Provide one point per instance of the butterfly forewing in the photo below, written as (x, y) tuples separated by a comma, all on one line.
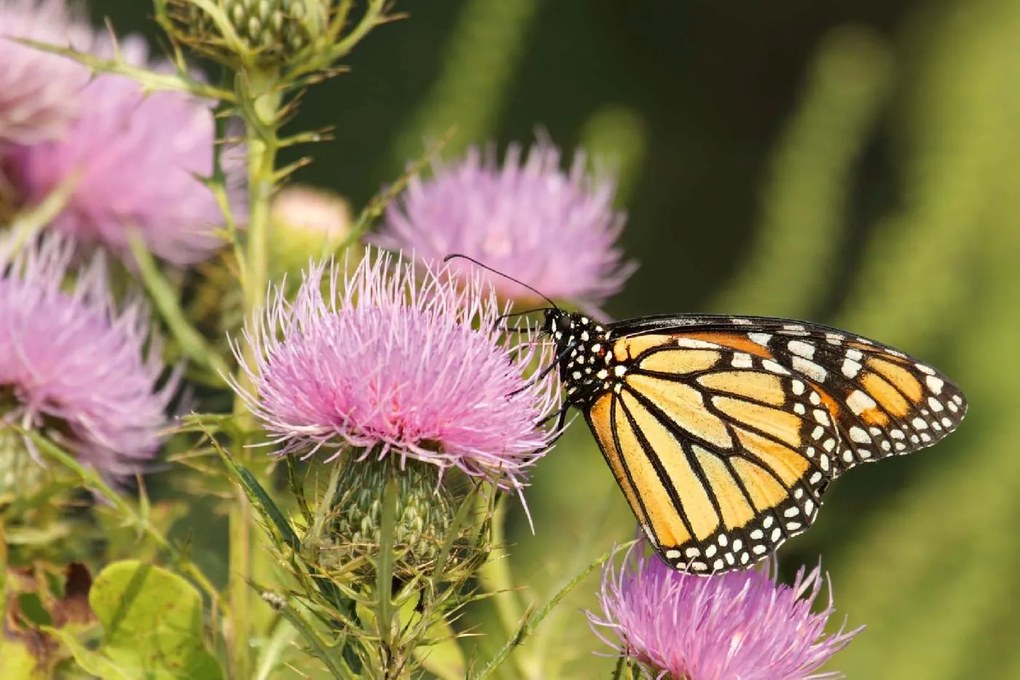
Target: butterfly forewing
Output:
[(723, 432), (884, 402)]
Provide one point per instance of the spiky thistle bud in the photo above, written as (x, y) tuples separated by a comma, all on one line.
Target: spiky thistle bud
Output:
[(425, 508), (252, 33)]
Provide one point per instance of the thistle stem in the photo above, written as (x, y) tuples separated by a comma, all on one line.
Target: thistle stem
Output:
[(260, 107)]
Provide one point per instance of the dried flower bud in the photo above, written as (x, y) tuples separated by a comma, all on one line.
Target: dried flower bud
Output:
[(252, 33)]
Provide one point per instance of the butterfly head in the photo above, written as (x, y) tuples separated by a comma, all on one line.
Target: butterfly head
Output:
[(582, 350)]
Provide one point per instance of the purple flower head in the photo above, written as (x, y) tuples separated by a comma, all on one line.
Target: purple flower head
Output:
[(397, 359), (529, 219), (38, 91), (69, 358), (736, 625), (133, 160)]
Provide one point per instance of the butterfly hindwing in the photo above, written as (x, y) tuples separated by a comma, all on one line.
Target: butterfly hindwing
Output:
[(722, 455)]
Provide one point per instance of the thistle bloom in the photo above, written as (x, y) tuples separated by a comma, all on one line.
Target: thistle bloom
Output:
[(132, 160), (72, 363), (397, 360), (736, 625), (38, 91), (528, 219)]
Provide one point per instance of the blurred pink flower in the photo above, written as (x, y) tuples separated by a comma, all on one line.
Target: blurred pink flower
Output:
[(396, 360), (736, 625), (73, 360), (134, 161), (39, 91), (551, 229)]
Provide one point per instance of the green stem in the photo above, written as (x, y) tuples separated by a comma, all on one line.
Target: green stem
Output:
[(335, 662), (261, 108), (279, 642), (168, 304), (533, 617)]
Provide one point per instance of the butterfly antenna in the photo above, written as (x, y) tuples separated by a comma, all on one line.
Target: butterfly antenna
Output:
[(509, 315), (486, 267)]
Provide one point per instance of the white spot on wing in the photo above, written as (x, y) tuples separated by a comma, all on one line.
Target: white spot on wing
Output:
[(801, 348), (695, 344), (772, 366), (934, 384), (742, 360), (851, 368), (859, 435), (760, 338), (809, 368), (859, 402)]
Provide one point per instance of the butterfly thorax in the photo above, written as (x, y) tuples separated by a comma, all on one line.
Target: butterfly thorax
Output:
[(583, 352)]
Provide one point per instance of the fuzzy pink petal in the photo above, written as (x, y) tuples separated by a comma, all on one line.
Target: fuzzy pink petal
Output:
[(135, 162), (555, 230), (741, 624), (75, 358), (398, 359)]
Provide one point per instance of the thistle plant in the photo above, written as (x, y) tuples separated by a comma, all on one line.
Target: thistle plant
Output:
[(187, 336)]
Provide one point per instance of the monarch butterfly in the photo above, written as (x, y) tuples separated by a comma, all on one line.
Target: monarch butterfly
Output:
[(723, 432)]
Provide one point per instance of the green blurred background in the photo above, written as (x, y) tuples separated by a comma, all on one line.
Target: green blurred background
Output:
[(850, 163)]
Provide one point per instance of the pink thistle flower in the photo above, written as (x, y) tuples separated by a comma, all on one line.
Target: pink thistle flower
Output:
[(38, 91), (529, 219), (71, 359), (736, 625), (134, 160), (396, 359)]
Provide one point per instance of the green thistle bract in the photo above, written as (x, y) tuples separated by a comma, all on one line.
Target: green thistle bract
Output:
[(425, 509), (262, 33)]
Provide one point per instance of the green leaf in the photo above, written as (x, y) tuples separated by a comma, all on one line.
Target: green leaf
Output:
[(274, 518), (92, 662), (153, 625), (17, 662)]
